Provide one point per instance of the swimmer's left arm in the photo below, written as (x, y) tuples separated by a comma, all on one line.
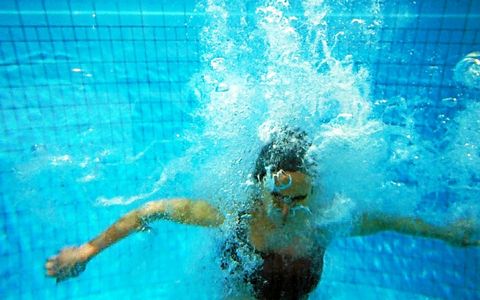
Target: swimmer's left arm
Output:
[(459, 234)]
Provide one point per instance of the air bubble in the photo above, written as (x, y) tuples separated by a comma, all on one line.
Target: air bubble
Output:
[(222, 87), (450, 102), (218, 64), (467, 71)]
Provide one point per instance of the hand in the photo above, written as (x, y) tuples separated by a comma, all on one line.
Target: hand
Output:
[(69, 262), (462, 233)]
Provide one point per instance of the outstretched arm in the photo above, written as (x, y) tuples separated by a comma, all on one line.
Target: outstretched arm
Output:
[(459, 234), (183, 211), (70, 262)]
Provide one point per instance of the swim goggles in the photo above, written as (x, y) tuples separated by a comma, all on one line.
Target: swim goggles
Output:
[(269, 180)]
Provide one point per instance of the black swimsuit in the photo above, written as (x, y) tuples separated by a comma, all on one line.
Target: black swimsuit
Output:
[(277, 276)]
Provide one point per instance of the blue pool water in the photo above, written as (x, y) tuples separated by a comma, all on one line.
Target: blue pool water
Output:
[(106, 105)]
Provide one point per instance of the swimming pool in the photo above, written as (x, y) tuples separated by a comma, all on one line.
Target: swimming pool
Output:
[(105, 106)]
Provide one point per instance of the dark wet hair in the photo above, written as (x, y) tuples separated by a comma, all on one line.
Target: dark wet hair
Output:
[(285, 151)]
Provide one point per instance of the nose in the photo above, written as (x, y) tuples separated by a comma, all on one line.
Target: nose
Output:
[(285, 211)]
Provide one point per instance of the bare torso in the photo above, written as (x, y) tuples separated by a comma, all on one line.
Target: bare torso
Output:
[(298, 237)]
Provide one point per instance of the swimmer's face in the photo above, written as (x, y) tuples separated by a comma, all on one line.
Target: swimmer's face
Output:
[(290, 190)]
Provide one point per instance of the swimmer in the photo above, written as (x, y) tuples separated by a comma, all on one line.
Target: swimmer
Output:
[(278, 226)]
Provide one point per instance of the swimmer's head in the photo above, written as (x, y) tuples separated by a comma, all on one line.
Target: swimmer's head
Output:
[(291, 193), (282, 171), (285, 151)]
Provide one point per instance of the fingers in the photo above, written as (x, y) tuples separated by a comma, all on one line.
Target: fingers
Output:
[(49, 263), (66, 264), (53, 266)]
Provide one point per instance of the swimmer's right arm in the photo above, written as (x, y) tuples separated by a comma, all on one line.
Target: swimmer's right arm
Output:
[(70, 262)]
